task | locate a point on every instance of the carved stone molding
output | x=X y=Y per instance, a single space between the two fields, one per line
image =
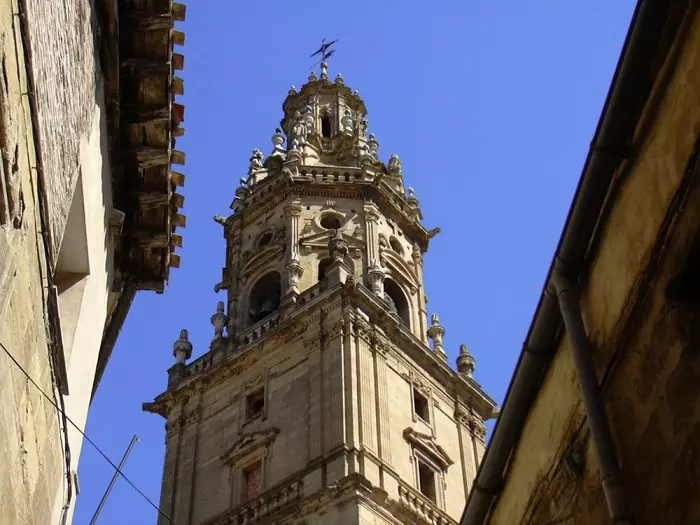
x=248 y=443
x=426 y=444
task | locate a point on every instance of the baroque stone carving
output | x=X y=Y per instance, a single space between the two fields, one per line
x=426 y=443
x=465 y=362
x=247 y=443
x=338 y=247
x=182 y=349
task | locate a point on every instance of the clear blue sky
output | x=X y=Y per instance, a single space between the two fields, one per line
x=491 y=106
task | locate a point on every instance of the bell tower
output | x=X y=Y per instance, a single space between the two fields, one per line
x=325 y=396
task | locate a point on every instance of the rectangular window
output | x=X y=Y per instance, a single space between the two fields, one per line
x=420 y=406
x=254 y=404
x=253 y=480
x=426 y=481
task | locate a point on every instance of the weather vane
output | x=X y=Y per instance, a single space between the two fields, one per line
x=326 y=52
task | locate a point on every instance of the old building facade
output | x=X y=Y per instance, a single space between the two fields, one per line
x=320 y=399
x=601 y=423
x=88 y=210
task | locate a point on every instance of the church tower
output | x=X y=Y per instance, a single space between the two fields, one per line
x=321 y=399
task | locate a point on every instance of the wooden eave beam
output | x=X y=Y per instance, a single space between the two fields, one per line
x=179 y=11
x=145 y=66
x=147 y=20
x=150 y=239
x=146 y=157
x=152 y=200
x=146 y=113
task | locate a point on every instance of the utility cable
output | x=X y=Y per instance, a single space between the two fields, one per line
x=115 y=467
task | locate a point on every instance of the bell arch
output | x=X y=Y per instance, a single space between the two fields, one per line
x=398 y=302
x=264 y=297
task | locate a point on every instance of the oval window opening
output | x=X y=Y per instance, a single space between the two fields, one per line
x=330 y=222
x=265 y=239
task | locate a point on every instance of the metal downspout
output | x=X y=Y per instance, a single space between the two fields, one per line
x=598 y=422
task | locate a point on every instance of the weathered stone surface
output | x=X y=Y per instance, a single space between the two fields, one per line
x=645 y=338
x=327 y=323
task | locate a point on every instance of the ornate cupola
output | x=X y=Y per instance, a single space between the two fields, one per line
x=320 y=384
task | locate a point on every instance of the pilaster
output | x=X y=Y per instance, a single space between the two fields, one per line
x=187 y=463
x=173 y=430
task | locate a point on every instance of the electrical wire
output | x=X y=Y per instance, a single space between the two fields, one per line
x=115 y=467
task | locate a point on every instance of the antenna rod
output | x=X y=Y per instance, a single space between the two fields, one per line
x=114 y=479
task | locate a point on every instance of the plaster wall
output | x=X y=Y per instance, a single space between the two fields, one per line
x=645 y=345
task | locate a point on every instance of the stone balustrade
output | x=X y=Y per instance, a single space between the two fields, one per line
x=198 y=365
x=417 y=503
x=255 y=332
x=311 y=294
x=268 y=503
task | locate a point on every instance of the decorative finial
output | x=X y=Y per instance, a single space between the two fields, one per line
x=292 y=91
x=294 y=273
x=394 y=166
x=324 y=70
x=376 y=277
x=339 y=79
x=182 y=349
x=338 y=247
x=219 y=320
x=313 y=77
x=277 y=141
x=436 y=332
x=412 y=201
x=347 y=123
x=372 y=145
x=255 y=161
x=465 y=362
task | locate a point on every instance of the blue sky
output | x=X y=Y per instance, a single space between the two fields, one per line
x=491 y=107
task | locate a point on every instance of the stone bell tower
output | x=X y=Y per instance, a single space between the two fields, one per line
x=320 y=399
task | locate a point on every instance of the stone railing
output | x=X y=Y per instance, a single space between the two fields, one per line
x=266 y=504
x=416 y=503
x=255 y=332
x=309 y=295
x=198 y=365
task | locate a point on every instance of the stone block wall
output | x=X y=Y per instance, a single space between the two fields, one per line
x=336 y=406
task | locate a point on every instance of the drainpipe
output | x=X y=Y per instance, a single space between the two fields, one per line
x=598 y=422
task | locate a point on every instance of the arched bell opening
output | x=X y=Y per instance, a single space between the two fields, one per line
x=393 y=294
x=323 y=268
x=264 y=297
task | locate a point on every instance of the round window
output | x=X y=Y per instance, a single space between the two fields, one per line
x=330 y=222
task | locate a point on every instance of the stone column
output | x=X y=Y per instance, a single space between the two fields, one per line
x=294 y=270
x=417 y=257
x=293 y=211
x=375 y=275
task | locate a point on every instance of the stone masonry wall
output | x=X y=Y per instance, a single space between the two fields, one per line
x=71 y=136
x=31 y=451
x=340 y=407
